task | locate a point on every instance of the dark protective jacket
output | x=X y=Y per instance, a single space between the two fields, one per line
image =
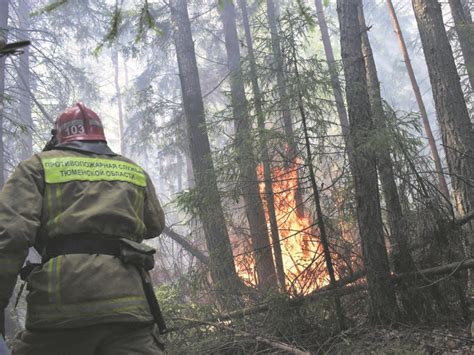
x=66 y=192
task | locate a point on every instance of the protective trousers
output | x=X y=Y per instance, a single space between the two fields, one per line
x=103 y=339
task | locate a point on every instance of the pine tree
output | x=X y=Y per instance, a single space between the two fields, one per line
x=221 y=262
x=284 y=100
x=465 y=30
x=456 y=128
x=419 y=99
x=383 y=307
x=402 y=259
x=265 y=155
x=246 y=158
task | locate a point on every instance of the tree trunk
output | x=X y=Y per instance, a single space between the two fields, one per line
x=26 y=141
x=419 y=99
x=118 y=93
x=402 y=259
x=269 y=196
x=455 y=123
x=383 y=307
x=284 y=99
x=465 y=30
x=456 y=128
x=281 y=82
x=221 y=263
x=333 y=71
x=3 y=36
x=247 y=164
x=317 y=200
x=339 y=100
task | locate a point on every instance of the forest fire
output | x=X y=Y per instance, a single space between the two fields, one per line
x=301 y=252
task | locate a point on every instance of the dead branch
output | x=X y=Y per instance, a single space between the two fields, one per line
x=340 y=291
x=181 y=240
x=264 y=307
x=439 y=270
x=273 y=343
x=344 y=281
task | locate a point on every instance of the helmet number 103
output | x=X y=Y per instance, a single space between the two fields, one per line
x=73 y=130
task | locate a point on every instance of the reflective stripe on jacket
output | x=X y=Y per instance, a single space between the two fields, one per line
x=60 y=193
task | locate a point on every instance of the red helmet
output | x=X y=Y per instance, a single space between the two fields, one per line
x=79 y=123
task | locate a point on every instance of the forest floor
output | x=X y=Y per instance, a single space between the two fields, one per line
x=311 y=328
x=402 y=340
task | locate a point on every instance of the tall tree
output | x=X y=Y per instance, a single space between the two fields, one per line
x=333 y=71
x=465 y=30
x=383 y=307
x=221 y=263
x=3 y=37
x=456 y=127
x=278 y=64
x=316 y=194
x=283 y=96
x=118 y=93
x=24 y=85
x=419 y=99
x=402 y=259
x=244 y=146
x=336 y=89
x=265 y=155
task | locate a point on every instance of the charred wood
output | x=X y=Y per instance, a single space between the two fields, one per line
x=450 y=269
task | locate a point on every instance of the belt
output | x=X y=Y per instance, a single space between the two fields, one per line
x=80 y=245
x=74 y=244
x=84 y=244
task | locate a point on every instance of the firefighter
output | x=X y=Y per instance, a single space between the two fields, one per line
x=86 y=210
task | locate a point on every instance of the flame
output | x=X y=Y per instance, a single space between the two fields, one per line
x=302 y=254
x=243 y=258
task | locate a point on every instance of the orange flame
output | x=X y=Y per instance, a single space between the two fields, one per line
x=302 y=254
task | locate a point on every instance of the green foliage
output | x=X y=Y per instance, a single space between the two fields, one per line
x=113 y=32
x=170 y=301
x=50 y=7
x=146 y=22
x=307 y=14
x=403 y=131
x=190 y=201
